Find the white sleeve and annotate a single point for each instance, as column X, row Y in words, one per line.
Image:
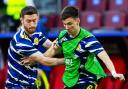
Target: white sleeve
column 38, row 53
column 47, row 43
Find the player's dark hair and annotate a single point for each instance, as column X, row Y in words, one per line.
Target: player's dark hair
column 69, row 11
column 28, row 10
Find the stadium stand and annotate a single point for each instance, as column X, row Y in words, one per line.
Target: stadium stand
column 96, row 5
column 77, row 3
column 114, row 19
column 121, row 5
column 91, row 20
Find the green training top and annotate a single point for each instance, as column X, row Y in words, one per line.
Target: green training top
column 71, row 74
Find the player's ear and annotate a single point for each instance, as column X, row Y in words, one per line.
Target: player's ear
column 78, row 20
column 38, row 18
column 21, row 20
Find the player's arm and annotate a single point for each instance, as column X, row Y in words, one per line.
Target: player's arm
column 94, row 46
column 40, row 58
column 28, row 50
column 53, row 50
column 107, row 61
column 44, row 42
column 47, row 44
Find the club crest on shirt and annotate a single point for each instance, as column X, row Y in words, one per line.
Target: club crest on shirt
column 25, row 36
column 79, row 48
column 36, row 41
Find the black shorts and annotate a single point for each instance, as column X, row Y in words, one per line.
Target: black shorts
column 83, row 86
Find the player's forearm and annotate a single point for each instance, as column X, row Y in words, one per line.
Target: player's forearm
column 50, row 61
column 50, row 52
column 107, row 61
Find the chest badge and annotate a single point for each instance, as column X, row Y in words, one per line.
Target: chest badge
column 25, row 36
column 78, row 47
column 36, row 41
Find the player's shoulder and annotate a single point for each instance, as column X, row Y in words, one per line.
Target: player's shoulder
column 38, row 34
column 22, row 37
column 86, row 32
column 62, row 33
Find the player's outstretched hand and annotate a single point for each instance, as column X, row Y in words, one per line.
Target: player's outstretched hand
column 118, row 76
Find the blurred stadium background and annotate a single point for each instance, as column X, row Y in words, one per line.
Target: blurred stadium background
column 106, row 19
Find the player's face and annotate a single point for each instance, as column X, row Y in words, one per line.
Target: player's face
column 30, row 23
column 71, row 24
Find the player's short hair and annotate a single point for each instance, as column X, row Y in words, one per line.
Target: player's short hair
column 69, row 11
column 28, row 10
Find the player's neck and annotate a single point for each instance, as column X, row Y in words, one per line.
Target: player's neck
column 30, row 35
column 75, row 33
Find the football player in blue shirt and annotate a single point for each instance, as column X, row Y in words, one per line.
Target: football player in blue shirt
column 25, row 43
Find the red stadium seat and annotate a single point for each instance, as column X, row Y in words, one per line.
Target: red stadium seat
column 59, row 22
column 118, row 5
column 125, row 85
column 96, row 5
column 51, row 22
column 91, row 20
column 3, row 76
column 115, row 19
column 109, row 83
column 77, row 3
column 56, row 77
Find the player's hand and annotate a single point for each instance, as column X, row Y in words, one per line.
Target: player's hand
column 118, row 76
column 54, row 44
column 27, row 61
